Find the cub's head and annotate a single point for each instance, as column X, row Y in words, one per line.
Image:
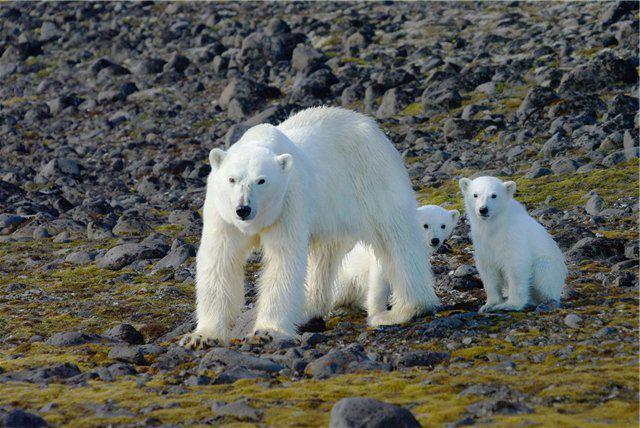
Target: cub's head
column 437, row 223
column 248, row 185
column 484, row 197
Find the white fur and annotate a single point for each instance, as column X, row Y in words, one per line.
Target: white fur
column 332, row 178
column 361, row 282
column 513, row 252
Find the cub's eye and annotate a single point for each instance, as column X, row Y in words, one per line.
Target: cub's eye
column 261, row 181
column 475, row 195
column 426, row 226
column 493, row 196
column 232, row 180
column 442, row 226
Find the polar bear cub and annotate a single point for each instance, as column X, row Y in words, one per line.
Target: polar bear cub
column 305, row 191
column 512, row 251
column 361, row 282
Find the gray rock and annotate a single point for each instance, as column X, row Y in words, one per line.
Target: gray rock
column 564, row 166
column 124, row 254
column 176, row 257
column 594, row 205
column 80, row 257
column 465, row 270
column 306, row 59
column 222, row 357
column 18, row 418
column 459, row 129
column 573, row 320
column 128, row 354
column 235, row 374
column 337, row 361
column 421, row 359
column 73, row 338
column 125, row 333
column 53, row 373
column 240, row 410
column 360, row 412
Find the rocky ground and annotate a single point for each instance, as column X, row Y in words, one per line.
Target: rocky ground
column 107, row 114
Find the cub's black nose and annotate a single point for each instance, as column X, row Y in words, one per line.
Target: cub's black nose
column 243, row 211
column 435, row 241
column 483, row 210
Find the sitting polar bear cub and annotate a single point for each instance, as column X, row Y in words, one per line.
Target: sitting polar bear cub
column 305, row 191
column 513, row 252
column 361, row 282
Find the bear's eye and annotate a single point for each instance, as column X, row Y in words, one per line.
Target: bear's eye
column 493, row 196
column 442, row 226
column 261, row 181
column 232, row 180
column 475, row 195
column 426, row 226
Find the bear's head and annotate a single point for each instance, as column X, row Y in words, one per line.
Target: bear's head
column 249, row 185
column 437, row 223
column 486, row 197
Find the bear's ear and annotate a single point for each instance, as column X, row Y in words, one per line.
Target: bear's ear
column 511, row 187
column 455, row 215
column 464, row 184
column 216, row 156
column 285, row 161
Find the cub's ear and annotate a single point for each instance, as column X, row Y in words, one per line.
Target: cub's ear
column 216, row 156
column 285, row 161
column 464, row 184
column 511, row 187
column 455, row 215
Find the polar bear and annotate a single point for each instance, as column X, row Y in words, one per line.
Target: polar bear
column 305, row 191
column 512, row 251
column 361, row 282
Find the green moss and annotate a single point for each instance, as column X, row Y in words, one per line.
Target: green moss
column 412, row 109
column 358, row 61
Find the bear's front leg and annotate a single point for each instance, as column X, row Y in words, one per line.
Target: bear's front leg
column 519, row 279
column 281, row 292
column 219, row 283
column 492, row 283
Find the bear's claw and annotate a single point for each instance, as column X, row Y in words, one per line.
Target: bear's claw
column 197, row 341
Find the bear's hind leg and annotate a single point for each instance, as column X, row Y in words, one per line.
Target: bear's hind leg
column 377, row 292
column 219, row 284
column 548, row 281
column 519, row 282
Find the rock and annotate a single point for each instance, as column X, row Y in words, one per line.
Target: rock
column 176, row 257
column 18, row 418
column 235, row 374
column 459, row 129
column 594, row 205
column 316, row 85
column 498, row 406
column 149, row 66
column 595, row 248
column 128, row 354
column 336, row 361
column 222, row 357
column 465, row 270
column 240, row 410
column 80, row 257
column 573, row 320
column 537, row 98
column 10, row 222
column 631, row 250
column 389, row 105
column 126, row 333
column 52, row 373
column 421, row 359
column 537, row 171
column 363, row 412
column 630, row 145
column 122, row 255
column 564, row 166
column 73, row 338
column 305, row 59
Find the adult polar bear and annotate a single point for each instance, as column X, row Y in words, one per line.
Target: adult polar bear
column 306, row 191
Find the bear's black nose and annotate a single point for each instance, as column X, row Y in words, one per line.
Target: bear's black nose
column 243, row 211
column 435, row 241
column 483, row 210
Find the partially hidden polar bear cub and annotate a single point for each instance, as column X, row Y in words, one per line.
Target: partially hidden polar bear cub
column 305, row 191
column 361, row 281
column 512, row 251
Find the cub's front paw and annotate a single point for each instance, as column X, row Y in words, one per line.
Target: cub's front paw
column 197, row 341
column 488, row 307
column 509, row 307
column 388, row 318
